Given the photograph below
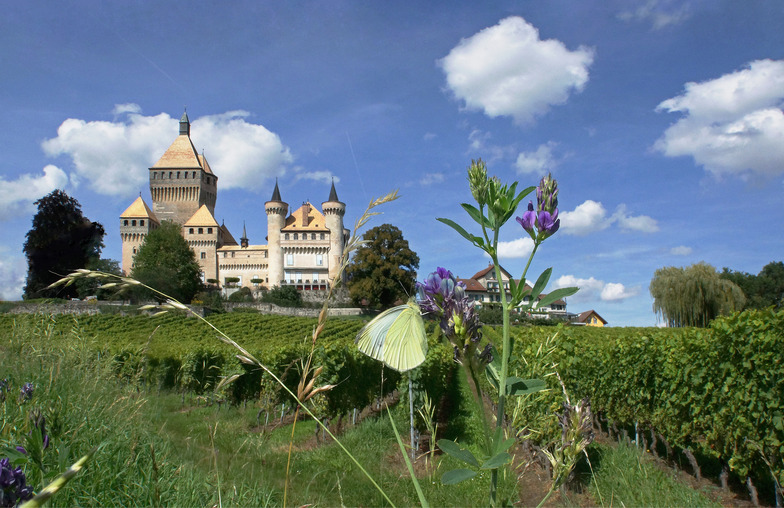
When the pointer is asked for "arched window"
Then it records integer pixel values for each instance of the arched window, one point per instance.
(190, 231)
(296, 237)
(286, 236)
(133, 222)
(125, 222)
(201, 231)
(141, 222)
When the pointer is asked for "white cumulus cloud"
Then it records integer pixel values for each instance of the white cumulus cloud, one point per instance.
(17, 196)
(242, 154)
(732, 124)
(591, 216)
(587, 218)
(592, 288)
(507, 70)
(113, 157)
(538, 162)
(520, 248)
(642, 223)
(13, 271)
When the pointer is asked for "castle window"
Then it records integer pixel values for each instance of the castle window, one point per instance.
(170, 174)
(154, 175)
(186, 174)
(289, 259)
(134, 250)
(286, 236)
(313, 236)
(322, 236)
(232, 254)
(296, 237)
(133, 222)
(141, 222)
(204, 255)
(194, 175)
(178, 175)
(190, 230)
(209, 231)
(125, 222)
(320, 259)
(201, 231)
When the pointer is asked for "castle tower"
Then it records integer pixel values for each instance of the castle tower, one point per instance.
(277, 211)
(181, 181)
(334, 210)
(244, 237)
(204, 236)
(136, 222)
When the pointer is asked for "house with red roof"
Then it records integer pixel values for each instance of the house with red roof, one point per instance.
(484, 288)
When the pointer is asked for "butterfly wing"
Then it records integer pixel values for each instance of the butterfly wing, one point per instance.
(405, 345)
(396, 337)
(372, 337)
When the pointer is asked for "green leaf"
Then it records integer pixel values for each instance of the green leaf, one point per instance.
(461, 454)
(476, 240)
(556, 294)
(497, 461)
(475, 214)
(504, 445)
(541, 283)
(457, 475)
(517, 386)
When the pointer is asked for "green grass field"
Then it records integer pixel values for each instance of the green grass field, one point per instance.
(165, 448)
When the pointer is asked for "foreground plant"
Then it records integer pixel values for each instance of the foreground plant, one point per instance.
(497, 204)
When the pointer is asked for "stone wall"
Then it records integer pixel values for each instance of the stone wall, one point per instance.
(94, 307)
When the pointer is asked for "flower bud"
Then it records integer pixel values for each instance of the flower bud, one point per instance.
(477, 181)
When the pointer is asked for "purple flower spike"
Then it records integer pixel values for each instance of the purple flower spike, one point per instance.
(528, 220)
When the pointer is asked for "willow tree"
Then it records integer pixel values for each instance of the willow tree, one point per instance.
(693, 296)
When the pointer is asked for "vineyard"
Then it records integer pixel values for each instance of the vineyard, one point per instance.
(713, 394)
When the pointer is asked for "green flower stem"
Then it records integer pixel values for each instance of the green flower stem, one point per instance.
(505, 352)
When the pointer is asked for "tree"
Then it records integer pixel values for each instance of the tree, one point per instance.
(166, 262)
(762, 290)
(693, 296)
(60, 241)
(383, 269)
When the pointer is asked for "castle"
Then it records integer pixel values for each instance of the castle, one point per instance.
(303, 249)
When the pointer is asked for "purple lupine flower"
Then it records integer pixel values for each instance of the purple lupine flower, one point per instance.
(439, 288)
(443, 297)
(547, 223)
(39, 421)
(26, 393)
(528, 220)
(545, 219)
(13, 485)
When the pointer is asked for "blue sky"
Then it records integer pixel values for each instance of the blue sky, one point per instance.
(661, 120)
